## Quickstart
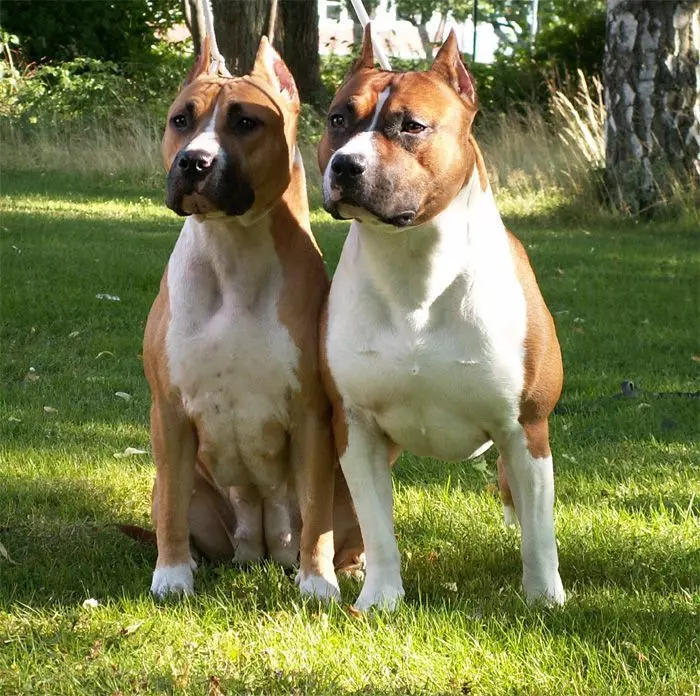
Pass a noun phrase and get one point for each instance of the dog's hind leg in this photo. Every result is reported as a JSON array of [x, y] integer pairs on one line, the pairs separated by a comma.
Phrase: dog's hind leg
[[510, 519], [212, 519], [249, 535]]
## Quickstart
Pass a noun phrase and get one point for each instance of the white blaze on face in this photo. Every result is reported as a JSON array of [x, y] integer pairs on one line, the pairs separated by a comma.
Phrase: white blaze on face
[[207, 140], [360, 144]]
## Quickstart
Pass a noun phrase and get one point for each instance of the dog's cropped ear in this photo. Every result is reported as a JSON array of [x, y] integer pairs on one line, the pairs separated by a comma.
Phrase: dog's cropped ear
[[201, 65], [449, 65], [270, 67], [365, 61]]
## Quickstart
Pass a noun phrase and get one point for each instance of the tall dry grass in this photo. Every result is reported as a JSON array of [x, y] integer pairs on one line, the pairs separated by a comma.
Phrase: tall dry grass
[[132, 147]]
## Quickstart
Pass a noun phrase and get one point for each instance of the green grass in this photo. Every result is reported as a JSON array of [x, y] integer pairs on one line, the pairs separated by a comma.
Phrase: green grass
[[626, 300]]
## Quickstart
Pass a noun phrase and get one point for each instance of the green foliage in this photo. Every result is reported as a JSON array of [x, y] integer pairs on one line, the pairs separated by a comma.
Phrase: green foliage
[[573, 46], [63, 30], [88, 88]]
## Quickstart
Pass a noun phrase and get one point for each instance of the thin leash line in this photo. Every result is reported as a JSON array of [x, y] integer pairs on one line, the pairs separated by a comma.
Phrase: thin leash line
[[218, 63], [362, 15]]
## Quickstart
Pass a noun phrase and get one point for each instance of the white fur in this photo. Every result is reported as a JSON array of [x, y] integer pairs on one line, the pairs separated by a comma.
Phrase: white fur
[[318, 587], [426, 344], [366, 470], [531, 481], [427, 327], [177, 579], [360, 144], [510, 519], [232, 359], [207, 140]]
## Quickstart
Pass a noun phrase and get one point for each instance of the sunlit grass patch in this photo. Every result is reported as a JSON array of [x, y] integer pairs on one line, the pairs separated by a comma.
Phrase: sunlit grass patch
[[624, 296]]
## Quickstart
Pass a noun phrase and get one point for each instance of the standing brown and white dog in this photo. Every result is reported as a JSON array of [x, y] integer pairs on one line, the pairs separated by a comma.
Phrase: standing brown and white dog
[[240, 422], [435, 337]]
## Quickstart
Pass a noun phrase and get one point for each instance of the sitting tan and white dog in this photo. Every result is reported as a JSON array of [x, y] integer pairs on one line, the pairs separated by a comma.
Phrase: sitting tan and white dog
[[240, 422], [435, 337]]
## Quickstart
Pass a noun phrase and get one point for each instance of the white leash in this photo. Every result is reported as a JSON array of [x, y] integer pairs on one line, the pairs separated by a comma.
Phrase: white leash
[[376, 43], [217, 66]]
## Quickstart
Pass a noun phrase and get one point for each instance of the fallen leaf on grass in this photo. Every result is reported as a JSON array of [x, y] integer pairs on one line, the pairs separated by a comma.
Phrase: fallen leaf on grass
[[123, 395], [131, 628], [95, 650], [73, 334], [50, 409], [31, 376], [103, 352], [129, 452], [433, 556], [695, 358], [451, 586], [5, 555], [106, 296]]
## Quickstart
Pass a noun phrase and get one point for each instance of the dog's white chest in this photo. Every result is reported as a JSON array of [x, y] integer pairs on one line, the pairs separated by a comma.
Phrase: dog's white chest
[[439, 377], [232, 359]]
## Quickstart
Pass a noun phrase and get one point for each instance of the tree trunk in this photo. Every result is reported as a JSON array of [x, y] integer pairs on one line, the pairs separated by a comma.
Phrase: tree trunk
[[300, 53], [239, 25], [651, 90], [425, 40], [194, 18]]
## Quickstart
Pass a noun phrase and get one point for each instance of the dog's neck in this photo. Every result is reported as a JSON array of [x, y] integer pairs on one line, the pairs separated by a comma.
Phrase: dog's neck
[[248, 248], [412, 268]]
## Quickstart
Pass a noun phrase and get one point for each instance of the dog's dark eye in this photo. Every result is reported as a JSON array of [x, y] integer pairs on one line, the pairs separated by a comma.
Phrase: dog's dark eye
[[413, 127], [337, 121], [179, 121], [246, 125]]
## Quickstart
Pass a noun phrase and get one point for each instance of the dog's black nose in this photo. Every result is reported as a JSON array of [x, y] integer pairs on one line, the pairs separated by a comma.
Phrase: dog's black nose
[[348, 167], [194, 164]]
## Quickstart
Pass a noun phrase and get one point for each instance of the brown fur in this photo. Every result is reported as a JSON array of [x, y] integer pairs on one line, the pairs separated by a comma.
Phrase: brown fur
[[186, 499]]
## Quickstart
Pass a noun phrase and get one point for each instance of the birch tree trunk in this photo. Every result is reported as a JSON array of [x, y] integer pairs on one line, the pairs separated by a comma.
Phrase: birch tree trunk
[[651, 76]]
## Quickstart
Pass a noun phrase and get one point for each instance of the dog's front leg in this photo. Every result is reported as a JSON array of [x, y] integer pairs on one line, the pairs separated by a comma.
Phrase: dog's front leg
[[366, 466], [530, 474], [313, 461], [175, 450]]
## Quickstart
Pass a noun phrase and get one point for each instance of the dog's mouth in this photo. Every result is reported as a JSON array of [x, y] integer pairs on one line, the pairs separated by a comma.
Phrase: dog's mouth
[[347, 207], [202, 199]]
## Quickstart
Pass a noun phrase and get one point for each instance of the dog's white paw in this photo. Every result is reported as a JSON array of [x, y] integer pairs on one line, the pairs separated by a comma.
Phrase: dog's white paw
[[548, 591], [177, 579], [319, 587], [380, 595], [510, 519]]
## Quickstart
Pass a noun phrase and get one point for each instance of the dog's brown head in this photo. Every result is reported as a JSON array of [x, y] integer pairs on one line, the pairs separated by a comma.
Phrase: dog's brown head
[[398, 146], [229, 141]]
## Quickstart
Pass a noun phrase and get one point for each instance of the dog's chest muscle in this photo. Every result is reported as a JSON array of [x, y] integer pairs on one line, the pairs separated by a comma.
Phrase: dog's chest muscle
[[436, 379], [232, 359]]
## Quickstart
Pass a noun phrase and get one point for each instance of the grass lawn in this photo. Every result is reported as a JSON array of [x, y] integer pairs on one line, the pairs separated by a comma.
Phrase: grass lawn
[[626, 298]]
